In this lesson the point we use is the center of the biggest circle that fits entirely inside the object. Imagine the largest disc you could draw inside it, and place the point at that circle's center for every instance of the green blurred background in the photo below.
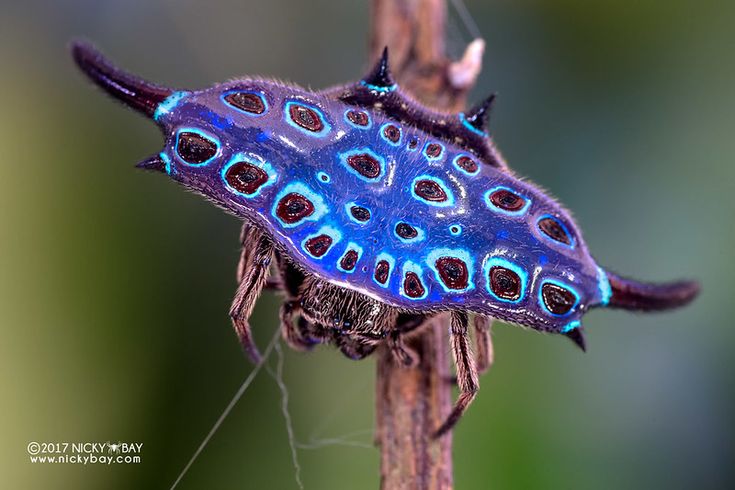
(115, 284)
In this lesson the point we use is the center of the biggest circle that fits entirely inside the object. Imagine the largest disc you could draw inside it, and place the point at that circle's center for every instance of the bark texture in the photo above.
(413, 402)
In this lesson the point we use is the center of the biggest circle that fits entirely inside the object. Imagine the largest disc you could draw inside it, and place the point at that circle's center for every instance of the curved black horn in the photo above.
(634, 295)
(131, 90)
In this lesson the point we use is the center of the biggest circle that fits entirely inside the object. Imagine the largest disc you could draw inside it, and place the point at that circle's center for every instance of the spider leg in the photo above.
(484, 343)
(466, 372)
(252, 271)
(293, 335)
(354, 348)
(404, 355)
(271, 282)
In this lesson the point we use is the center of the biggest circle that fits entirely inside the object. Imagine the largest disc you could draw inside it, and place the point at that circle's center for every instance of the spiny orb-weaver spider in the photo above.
(379, 213)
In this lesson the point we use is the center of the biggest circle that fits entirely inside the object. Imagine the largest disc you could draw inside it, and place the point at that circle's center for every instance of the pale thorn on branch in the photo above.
(464, 72)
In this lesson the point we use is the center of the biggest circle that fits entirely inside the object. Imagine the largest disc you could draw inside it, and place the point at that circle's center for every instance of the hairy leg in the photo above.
(466, 371)
(252, 272)
(484, 343)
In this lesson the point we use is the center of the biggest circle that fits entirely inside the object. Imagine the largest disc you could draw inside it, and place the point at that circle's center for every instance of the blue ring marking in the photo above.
(261, 164)
(400, 134)
(318, 134)
(350, 246)
(260, 94)
(348, 210)
(603, 285)
(491, 262)
(459, 253)
(571, 326)
(469, 126)
(381, 161)
(324, 230)
(377, 88)
(324, 177)
(434, 159)
(563, 226)
(442, 184)
(203, 134)
(419, 237)
(456, 165)
(367, 126)
(391, 265)
(561, 285)
(167, 160)
(168, 104)
(320, 207)
(409, 266)
(496, 209)
(455, 230)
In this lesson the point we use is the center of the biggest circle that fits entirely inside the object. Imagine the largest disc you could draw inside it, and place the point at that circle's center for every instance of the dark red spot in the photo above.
(360, 213)
(505, 283)
(404, 230)
(392, 133)
(467, 164)
(412, 285)
(245, 177)
(505, 199)
(433, 150)
(557, 299)
(294, 207)
(430, 190)
(554, 230)
(247, 102)
(194, 148)
(381, 271)
(413, 144)
(358, 117)
(365, 164)
(349, 260)
(453, 272)
(318, 245)
(306, 117)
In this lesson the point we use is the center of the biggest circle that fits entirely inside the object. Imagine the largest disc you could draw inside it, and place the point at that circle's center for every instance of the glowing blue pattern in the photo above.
(491, 262)
(571, 326)
(469, 126)
(166, 160)
(381, 161)
(572, 241)
(318, 134)
(456, 165)
(324, 230)
(561, 285)
(168, 105)
(248, 113)
(348, 207)
(367, 126)
(377, 88)
(442, 184)
(391, 265)
(603, 285)
(420, 235)
(493, 207)
(350, 246)
(324, 177)
(455, 230)
(320, 207)
(438, 157)
(203, 134)
(261, 164)
(409, 266)
(459, 253)
(385, 138)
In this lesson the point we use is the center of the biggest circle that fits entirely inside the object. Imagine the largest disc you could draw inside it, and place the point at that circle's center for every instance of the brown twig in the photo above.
(411, 403)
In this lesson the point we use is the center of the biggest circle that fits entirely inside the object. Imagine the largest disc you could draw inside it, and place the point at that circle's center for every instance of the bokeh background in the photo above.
(115, 284)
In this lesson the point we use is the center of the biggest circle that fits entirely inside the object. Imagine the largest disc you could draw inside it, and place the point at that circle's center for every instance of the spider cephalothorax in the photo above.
(379, 213)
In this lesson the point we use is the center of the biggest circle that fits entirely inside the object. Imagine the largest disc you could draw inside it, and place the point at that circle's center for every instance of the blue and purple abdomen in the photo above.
(380, 207)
